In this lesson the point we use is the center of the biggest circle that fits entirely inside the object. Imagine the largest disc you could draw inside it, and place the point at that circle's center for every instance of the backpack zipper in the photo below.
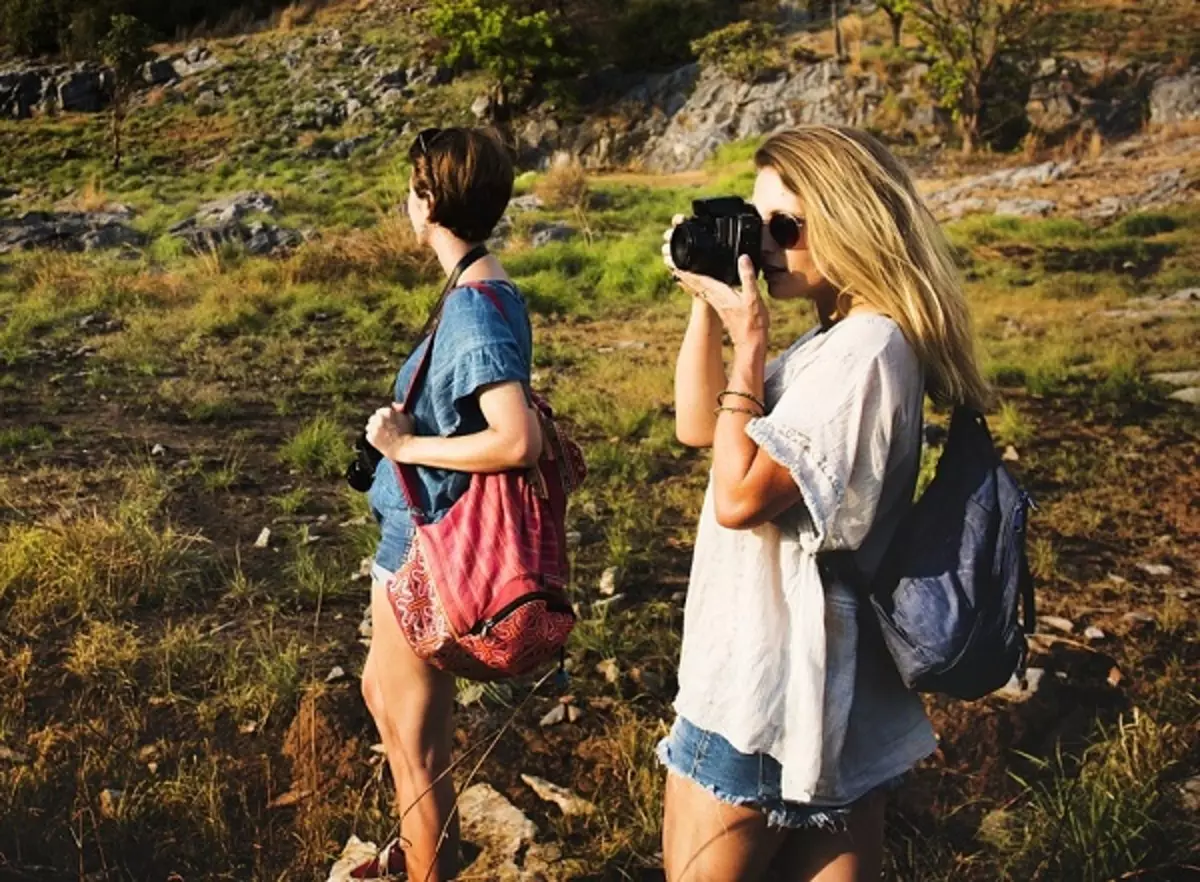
(554, 603)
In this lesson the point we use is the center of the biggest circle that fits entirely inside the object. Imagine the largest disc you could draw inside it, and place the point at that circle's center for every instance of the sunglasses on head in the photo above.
(785, 229)
(425, 139)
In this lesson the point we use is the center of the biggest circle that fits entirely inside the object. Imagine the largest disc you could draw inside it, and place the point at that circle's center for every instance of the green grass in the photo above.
(318, 448)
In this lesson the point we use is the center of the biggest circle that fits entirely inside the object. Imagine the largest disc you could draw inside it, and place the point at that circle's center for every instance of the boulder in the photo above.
(505, 837)
(1025, 207)
(68, 231)
(196, 60)
(556, 231)
(84, 89)
(720, 109)
(21, 91)
(158, 72)
(1176, 99)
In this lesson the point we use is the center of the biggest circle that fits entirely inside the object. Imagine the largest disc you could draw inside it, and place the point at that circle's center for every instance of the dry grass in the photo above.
(564, 186)
(388, 249)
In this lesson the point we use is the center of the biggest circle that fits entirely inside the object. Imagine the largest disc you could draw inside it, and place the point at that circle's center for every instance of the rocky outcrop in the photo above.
(86, 87)
(68, 231)
(1176, 99)
(1068, 94)
(79, 88)
(677, 120)
(220, 221)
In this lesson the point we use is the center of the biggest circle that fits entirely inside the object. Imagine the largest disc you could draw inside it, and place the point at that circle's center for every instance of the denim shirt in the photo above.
(474, 346)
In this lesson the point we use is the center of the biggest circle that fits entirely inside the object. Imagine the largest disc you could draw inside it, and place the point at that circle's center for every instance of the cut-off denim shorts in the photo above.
(741, 779)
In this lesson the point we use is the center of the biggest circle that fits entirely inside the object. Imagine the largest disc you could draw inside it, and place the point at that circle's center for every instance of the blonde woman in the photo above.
(791, 719)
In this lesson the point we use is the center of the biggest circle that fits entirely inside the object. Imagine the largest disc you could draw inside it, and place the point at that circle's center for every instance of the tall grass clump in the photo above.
(318, 448)
(564, 186)
(91, 566)
(1095, 817)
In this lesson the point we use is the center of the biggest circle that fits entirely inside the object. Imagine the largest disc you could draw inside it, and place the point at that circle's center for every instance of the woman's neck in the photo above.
(449, 249)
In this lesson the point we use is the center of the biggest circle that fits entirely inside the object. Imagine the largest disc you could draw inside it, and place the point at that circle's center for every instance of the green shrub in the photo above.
(744, 50)
(1143, 225)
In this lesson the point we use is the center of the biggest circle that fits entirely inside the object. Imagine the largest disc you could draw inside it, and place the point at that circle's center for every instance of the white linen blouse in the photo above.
(773, 660)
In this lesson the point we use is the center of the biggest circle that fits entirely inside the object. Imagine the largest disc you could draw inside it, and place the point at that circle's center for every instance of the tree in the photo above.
(895, 10)
(518, 50)
(125, 48)
(976, 43)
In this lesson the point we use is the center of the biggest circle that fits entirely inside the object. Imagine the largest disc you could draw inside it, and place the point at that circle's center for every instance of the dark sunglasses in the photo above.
(425, 139)
(785, 229)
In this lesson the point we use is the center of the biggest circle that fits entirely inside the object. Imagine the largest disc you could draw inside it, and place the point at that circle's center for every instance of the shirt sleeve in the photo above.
(833, 428)
(476, 347)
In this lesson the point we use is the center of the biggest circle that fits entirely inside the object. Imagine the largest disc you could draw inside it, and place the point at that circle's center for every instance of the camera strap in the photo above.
(469, 259)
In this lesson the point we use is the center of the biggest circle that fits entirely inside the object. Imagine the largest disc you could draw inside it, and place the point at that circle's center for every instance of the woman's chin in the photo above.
(783, 287)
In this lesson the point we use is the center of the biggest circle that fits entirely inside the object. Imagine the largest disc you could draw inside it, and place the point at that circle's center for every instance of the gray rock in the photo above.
(235, 207)
(568, 802)
(1139, 617)
(481, 107)
(1190, 395)
(1025, 207)
(1015, 690)
(708, 109)
(343, 149)
(257, 238)
(608, 581)
(529, 202)
(84, 90)
(158, 72)
(1057, 623)
(319, 114)
(195, 60)
(556, 231)
(67, 230)
(429, 75)
(1093, 634)
(505, 836)
(22, 90)
(1189, 794)
(612, 605)
(1176, 99)
(1153, 569)
(1178, 378)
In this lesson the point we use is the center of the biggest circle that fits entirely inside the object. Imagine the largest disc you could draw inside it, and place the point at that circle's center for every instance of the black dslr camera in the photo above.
(721, 231)
(360, 473)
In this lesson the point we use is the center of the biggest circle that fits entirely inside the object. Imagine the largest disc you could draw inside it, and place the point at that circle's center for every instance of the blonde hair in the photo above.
(874, 239)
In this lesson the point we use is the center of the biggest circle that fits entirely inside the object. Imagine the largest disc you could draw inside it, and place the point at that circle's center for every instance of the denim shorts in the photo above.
(741, 779)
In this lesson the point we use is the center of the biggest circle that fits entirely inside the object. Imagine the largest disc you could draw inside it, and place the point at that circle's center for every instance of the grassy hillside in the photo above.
(166, 704)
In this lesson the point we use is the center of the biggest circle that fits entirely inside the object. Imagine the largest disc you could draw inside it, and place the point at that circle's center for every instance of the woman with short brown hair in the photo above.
(468, 414)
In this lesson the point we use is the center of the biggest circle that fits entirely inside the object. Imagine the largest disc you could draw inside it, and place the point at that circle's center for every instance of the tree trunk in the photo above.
(970, 132)
(116, 134)
(837, 31)
(897, 22)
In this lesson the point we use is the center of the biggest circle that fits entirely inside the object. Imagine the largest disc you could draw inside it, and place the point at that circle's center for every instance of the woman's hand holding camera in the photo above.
(388, 429)
(741, 310)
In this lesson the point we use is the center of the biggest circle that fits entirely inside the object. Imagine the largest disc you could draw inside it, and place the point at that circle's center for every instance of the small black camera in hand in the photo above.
(721, 231)
(360, 473)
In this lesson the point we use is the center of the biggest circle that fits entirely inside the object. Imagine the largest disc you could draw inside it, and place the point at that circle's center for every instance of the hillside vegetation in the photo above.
(181, 583)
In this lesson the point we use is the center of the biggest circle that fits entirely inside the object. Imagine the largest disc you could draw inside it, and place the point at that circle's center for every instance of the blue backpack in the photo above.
(949, 590)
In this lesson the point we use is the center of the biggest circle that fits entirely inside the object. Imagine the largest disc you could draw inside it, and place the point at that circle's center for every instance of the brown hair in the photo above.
(468, 177)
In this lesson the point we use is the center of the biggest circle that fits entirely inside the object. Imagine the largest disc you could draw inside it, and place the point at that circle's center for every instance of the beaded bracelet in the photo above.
(746, 395)
(745, 410)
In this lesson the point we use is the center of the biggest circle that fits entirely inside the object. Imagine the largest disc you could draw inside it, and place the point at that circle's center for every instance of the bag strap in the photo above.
(407, 475)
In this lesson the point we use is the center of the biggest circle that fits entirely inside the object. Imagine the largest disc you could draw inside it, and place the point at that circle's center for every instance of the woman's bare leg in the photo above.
(412, 703)
(707, 840)
(851, 855)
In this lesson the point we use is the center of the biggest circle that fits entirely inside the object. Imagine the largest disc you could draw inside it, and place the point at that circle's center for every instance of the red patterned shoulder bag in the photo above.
(482, 592)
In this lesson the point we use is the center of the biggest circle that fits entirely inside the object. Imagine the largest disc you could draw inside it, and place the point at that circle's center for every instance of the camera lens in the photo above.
(692, 246)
